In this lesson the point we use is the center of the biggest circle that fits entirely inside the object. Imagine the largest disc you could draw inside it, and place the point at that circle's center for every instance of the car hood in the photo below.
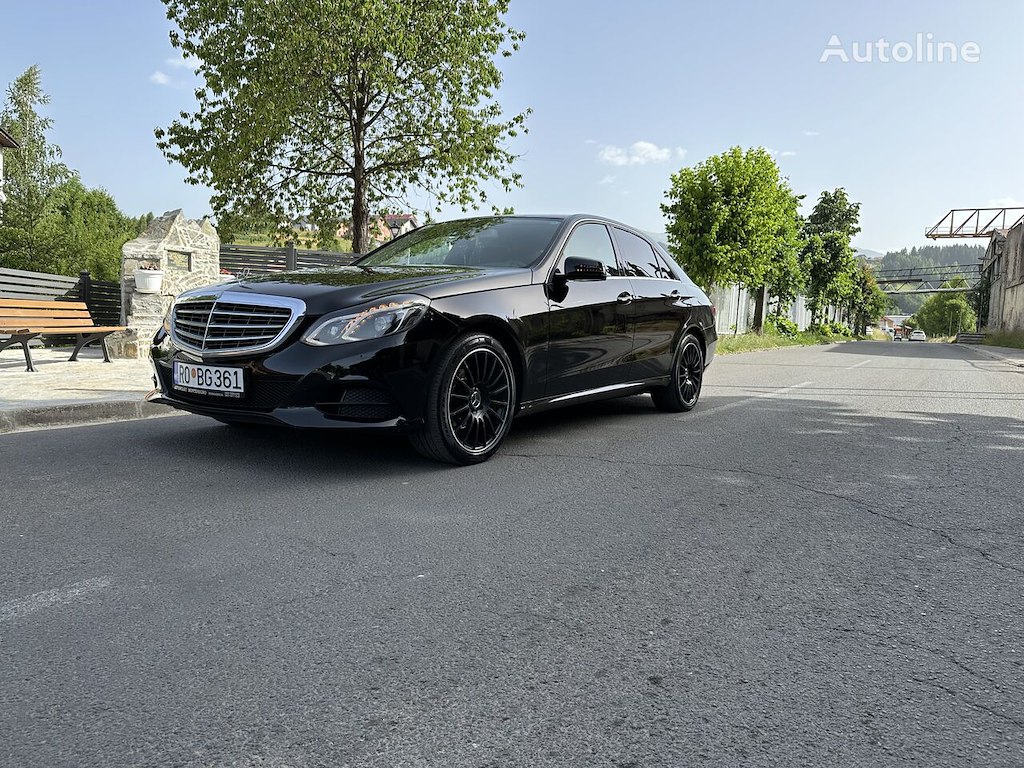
(325, 290)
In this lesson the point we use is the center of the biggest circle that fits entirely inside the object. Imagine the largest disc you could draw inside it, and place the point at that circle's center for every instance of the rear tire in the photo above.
(470, 402)
(683, 390)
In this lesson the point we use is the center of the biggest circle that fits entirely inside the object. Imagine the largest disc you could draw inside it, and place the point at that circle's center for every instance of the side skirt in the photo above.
(593, 395)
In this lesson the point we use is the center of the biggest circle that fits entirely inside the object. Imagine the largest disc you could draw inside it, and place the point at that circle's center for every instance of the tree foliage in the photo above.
(51, 222)
(827, 257)
(733, 218)
(32, 175)
(90, 232)
(867, 302)
(946, 313)
(339, 106)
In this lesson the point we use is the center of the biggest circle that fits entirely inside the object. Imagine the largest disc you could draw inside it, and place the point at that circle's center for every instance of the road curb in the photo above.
(980, 348)
(41, 417)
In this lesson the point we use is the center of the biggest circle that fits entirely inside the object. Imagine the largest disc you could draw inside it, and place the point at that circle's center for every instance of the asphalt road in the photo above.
(821, 565)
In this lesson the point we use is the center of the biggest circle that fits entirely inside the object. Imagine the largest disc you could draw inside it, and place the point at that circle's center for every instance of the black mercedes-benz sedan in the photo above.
(446, 333)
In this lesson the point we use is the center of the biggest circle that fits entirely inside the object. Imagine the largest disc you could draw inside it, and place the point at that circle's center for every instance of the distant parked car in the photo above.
(918, 335)
(897, 335)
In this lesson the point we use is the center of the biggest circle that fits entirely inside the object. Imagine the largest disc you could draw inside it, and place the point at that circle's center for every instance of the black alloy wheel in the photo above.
(470, 404)
(683, 390)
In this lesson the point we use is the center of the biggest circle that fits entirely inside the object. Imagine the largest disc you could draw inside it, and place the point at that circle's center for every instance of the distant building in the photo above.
(892, 323)
(6, 142)
(381, 228)
(400, 223)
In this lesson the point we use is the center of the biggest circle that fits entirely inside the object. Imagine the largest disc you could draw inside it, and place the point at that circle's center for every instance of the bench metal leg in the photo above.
(23, 339)
(88, 338)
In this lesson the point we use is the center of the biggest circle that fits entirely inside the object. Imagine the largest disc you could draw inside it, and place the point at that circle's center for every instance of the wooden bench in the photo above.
(24, 319)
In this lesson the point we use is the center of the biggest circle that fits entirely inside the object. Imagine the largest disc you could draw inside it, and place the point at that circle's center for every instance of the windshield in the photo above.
(485, 242)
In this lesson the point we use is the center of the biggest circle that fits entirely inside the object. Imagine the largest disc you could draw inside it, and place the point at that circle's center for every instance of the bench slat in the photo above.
(45, 322)
(42, 313)
(35, 304)
(61, 330)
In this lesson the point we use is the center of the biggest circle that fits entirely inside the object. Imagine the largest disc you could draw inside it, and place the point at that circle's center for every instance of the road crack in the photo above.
(983, 553)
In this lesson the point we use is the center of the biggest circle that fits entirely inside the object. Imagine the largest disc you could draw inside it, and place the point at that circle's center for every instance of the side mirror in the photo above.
(577, 268)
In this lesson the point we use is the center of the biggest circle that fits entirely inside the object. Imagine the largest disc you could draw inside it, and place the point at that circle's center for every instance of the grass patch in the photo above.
(750, 342)
(1013, 339)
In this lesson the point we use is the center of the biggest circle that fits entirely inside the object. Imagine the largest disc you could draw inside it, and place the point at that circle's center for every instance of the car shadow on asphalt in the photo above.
(281, 450)
(274, 455)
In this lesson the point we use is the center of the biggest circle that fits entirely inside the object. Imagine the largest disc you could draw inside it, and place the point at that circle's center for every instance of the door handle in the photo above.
(624, 297)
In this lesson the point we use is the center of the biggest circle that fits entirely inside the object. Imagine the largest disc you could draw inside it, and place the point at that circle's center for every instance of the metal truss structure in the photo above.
(929, 279)
(974, 222)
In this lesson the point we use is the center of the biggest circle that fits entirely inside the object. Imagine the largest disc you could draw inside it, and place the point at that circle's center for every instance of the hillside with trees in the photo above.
(927, 256)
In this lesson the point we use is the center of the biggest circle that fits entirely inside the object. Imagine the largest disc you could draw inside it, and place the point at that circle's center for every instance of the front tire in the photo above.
(683, 390)
(470, 402)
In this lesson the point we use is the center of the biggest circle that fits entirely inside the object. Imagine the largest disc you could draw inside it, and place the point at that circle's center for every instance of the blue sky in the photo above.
(623, 95)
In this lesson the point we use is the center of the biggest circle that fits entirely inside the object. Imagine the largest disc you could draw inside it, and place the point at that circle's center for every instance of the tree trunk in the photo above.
(759, 302)
(360, 215)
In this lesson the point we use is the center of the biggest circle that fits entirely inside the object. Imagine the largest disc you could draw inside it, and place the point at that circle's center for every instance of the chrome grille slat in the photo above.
(233, 323)
(220, 339)
(274, 328)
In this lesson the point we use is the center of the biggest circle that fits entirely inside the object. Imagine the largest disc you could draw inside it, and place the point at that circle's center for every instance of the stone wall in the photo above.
(188, 253)
(1013, 281)
(1005, 259)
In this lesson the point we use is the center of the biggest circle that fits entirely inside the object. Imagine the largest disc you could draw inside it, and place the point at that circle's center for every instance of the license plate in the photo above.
(209, 380)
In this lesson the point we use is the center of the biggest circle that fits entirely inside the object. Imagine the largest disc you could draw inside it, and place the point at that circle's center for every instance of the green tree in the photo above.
(733, 218)
(91, 232)
(786, 278)
(343, 104)
(32, 175)
(867, 302)
(946, 313)
(827, 256)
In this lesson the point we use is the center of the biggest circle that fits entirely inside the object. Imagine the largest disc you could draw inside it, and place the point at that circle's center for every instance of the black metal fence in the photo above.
(237, 259)
(101, 296)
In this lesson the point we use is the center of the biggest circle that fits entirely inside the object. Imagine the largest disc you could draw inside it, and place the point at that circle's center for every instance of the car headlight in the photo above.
(384, 319)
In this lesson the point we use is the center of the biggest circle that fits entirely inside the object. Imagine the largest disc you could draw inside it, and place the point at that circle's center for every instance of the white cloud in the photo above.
(182, 63)
(590, 141)
(637, 153)
(1005, 202)
(159, 78)
(607, 180)
(777, 153)
(787, 153)
(680, 153)
(811, 133)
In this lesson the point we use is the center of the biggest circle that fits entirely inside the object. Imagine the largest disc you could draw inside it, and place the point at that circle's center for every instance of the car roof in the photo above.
(565, 218)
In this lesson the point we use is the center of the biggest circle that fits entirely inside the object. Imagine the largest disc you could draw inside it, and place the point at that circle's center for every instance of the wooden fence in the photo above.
(101, 296)
(237, 259)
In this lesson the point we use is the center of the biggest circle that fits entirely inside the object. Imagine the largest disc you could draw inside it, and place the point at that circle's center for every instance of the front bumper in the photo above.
(368, 385)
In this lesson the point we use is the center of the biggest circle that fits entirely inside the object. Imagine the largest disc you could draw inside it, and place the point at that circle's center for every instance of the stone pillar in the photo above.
(188, 254)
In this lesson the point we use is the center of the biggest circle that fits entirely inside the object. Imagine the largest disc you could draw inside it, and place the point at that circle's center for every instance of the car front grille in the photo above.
(232, 324)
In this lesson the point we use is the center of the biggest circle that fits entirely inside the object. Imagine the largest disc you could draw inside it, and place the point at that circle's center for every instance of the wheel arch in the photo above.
(502, 331)
(698, 333)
